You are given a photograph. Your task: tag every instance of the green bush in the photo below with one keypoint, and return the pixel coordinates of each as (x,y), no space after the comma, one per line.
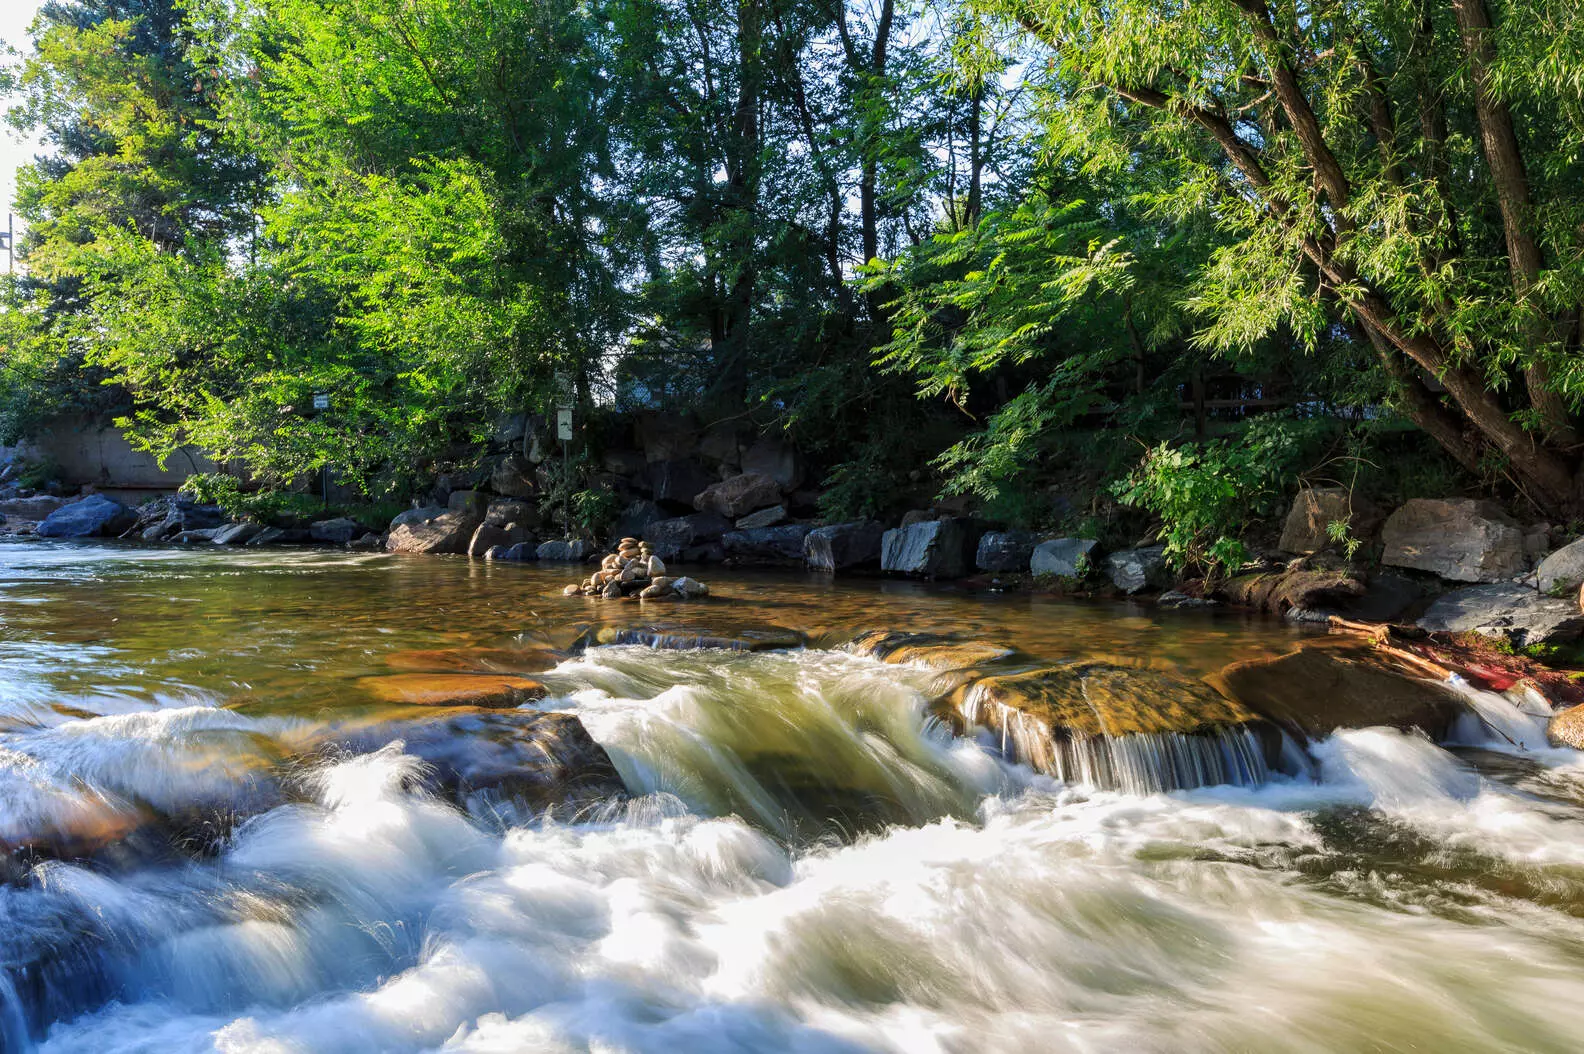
(1206,496)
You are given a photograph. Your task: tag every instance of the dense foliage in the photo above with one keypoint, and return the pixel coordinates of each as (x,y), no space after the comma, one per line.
(1001,249)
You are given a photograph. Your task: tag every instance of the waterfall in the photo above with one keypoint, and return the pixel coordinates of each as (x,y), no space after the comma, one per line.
(1138,763)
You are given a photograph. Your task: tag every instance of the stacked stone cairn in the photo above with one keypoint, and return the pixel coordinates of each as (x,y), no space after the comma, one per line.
(633,570)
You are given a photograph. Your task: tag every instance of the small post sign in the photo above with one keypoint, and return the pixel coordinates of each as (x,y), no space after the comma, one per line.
(564,424)
(321,401)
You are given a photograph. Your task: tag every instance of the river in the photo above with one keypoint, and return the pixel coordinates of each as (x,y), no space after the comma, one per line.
(224,835)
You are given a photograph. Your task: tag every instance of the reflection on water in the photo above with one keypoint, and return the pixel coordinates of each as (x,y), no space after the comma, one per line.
(213,850)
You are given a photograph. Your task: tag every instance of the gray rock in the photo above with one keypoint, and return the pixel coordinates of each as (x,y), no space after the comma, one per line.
(1183,602)
(635,518)
(513,477)
(369,543)
(419,515)
(565,551)
(722,445)
(784,543)
(937,549)
(473,504)
(670,538)
(1460,539)
(95,516)
(839,546)
(1385,597)
(776,458)
(520,551)
(678,481)
(35,508)
(1005,551)
(1563,570)
(690,588)
(445,532)
(501,513)
(1307,529)
(1133,570)
(763,518)
(488,536)
(1502,609)
(236,533)
(267,536)
(194,537)
(338,531)
(738,495)
(1064,557)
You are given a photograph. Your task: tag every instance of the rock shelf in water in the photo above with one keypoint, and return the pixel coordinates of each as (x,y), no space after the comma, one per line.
(634,571)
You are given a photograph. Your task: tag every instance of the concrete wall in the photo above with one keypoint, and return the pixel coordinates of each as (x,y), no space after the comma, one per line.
(87,452)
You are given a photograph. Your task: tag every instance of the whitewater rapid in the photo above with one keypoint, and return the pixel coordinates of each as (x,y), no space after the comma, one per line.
(1405,898)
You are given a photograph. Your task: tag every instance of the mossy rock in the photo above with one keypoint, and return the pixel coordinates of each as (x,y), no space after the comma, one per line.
(1103,700)
(453,689)
(936,651)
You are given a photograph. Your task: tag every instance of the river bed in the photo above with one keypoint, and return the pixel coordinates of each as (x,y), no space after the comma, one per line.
(794,852)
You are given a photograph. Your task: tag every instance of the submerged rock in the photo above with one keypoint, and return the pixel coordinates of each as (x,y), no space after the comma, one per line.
(1518,613)
(1320,687)
(543,760)
(1460,539)
(927,649)
(95,516)
(453,689)
(679,637)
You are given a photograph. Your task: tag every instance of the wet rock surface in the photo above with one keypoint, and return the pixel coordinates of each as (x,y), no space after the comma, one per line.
(1064,557)
(933,650)
(1004,551)
(843,545)
(435,530)
(453,689)
(95,516)
(1324,685)
(929,549)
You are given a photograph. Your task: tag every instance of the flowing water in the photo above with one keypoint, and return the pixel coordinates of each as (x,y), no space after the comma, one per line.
(222,839)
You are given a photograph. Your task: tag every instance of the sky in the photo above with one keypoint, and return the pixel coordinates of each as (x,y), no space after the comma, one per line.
(15,16)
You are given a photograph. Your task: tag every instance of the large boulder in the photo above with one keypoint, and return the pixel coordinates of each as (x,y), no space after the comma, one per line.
(1134,570)
(513,477)
(1503,609)
(95,516)
(739,495)
(678,480)
(1064,557)
(1308,526)
(435,530)
(505,513)
(935,549)
(490,536)
(562,551)
(1460,539)
(1563,570)
(1322,686)
(471,503)
(839,546)
(237,533)
(1566,729)
(671,537)
(776,458)
(337,531)
(1002,551)
(776,544)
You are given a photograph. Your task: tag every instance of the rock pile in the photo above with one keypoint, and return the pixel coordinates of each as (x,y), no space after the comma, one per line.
(634,570)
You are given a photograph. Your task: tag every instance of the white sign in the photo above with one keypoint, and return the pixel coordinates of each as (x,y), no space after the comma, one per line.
(321,400)
(564,424)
